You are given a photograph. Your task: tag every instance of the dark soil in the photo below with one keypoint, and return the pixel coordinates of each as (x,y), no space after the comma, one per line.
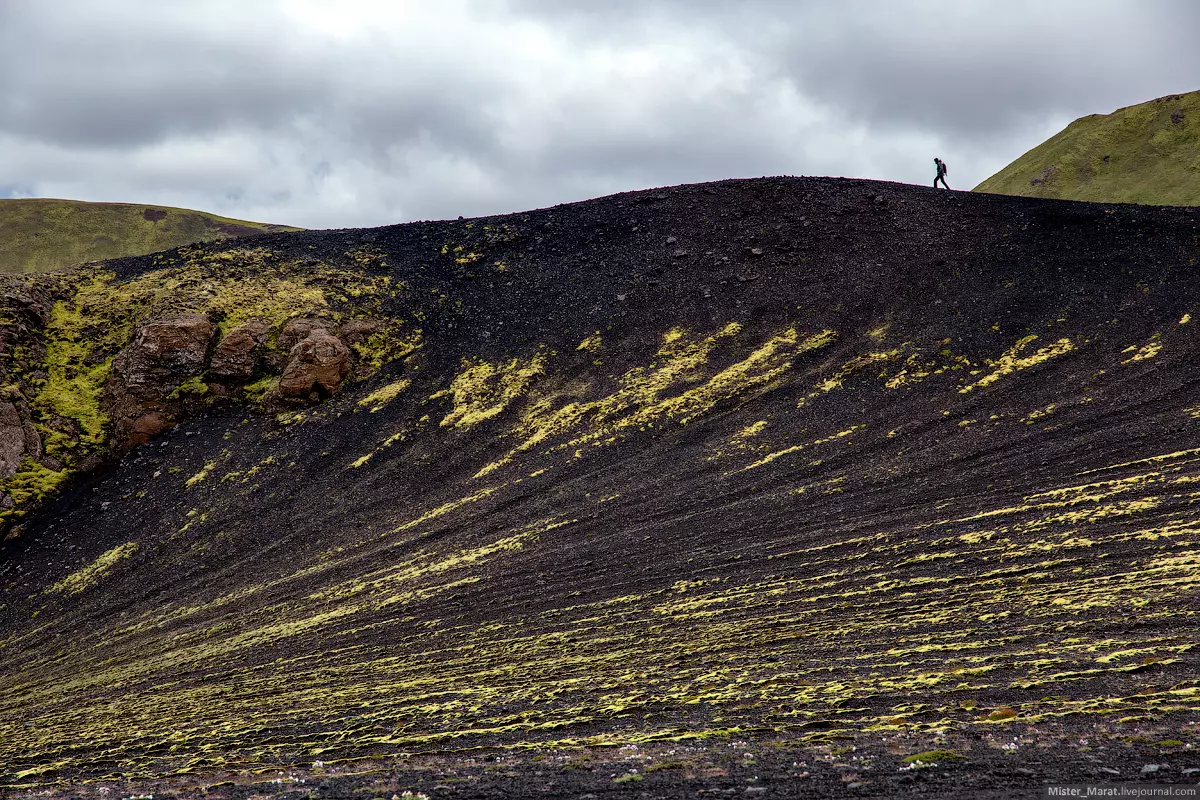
(872,519)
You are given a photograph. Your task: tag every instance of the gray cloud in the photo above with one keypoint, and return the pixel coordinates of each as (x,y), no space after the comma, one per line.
(361,113)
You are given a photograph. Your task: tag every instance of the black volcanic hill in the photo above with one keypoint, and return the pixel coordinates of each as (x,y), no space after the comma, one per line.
(764,484)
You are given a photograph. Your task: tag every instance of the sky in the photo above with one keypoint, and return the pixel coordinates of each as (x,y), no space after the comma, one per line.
(352,113)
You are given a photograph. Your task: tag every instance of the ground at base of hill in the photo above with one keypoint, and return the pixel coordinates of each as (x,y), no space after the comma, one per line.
(1013,761)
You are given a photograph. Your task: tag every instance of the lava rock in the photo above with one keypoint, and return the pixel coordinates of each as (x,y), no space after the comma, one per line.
(14,441)
(356,331)
(142,390)
(297,330)
(238,353)
(316,364)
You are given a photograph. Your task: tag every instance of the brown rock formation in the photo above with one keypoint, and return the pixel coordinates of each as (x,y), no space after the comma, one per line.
(297,330)
(238,353)
(356,331)
(317,364)
(163,354)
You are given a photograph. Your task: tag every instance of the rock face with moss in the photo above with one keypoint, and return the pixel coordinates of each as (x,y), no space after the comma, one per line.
(151,372)
(240,353)
(742,471)
(97,363)
(18,439)
(1148,153)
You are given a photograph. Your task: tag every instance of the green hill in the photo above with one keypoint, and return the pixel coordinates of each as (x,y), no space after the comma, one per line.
(1148,153)
(38,235)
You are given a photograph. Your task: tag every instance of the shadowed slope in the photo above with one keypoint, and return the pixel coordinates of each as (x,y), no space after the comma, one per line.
(1148,153)
(38,235)
(758,458)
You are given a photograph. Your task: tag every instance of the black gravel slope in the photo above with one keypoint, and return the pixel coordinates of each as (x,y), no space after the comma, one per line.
(761,483)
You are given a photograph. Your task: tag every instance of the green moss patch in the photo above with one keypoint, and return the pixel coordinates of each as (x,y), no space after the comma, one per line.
(933,757)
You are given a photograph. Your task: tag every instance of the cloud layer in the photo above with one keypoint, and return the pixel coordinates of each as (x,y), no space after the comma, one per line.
(354,113)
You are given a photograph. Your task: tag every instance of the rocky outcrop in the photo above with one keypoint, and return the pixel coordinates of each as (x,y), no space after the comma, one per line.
(158,374)
(25,309)
(316,365)
(143,389)
(357,331)
(94,362)
(297,330)
(18,438)
(12,440)
(239,353)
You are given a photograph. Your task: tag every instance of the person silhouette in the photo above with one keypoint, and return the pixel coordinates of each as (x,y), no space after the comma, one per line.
(941,173)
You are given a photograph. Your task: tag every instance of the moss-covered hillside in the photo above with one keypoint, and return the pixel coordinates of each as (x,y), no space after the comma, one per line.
(38,235)
(1148,153)
(747,486)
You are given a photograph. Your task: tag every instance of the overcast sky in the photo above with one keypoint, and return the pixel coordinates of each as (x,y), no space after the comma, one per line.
(356,113)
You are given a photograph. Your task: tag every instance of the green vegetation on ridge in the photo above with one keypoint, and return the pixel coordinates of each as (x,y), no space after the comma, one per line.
(1148,153)
(38,235)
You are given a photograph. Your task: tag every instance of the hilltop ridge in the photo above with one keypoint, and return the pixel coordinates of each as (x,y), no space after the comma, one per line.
(44,234)
(766,483)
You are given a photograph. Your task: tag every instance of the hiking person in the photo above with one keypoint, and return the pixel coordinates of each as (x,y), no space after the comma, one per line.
(941,173)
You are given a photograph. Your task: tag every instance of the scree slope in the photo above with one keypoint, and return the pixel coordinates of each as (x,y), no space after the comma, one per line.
(804,486)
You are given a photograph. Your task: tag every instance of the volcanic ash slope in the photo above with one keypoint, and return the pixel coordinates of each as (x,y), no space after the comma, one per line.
(782,457)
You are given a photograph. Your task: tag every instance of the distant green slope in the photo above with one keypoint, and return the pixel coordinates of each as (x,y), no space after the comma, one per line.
(1148,153)
(37,235)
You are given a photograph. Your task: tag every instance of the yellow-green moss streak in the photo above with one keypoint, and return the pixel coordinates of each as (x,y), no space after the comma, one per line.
(649,396)
(379,398)
(93,573)
(73,388)
(1012,361)
(483,390)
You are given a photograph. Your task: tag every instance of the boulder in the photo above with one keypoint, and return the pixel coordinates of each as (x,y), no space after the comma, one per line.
(141,391)
(164,353)
(297,330)
(238,353)
(149,425)
(357,331)
(317,363)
